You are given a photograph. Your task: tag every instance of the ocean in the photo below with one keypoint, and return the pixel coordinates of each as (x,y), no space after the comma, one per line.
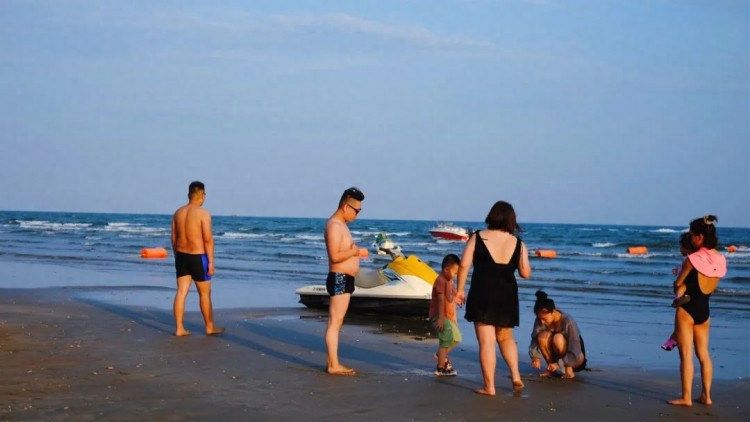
(260,261)
(592,263)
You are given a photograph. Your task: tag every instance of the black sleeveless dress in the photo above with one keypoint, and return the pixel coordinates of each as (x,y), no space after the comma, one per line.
(493,294)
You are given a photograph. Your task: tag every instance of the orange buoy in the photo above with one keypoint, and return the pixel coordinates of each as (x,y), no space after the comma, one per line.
(153,253)
(637,250)
(731,248)
(546,253)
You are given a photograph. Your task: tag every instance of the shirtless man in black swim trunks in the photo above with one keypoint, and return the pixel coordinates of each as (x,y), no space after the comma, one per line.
(193,246)
(343,264)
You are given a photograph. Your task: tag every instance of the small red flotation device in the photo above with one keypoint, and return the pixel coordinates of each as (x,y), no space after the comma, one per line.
(546,253)
(731,248)
(637,250)
(153,253)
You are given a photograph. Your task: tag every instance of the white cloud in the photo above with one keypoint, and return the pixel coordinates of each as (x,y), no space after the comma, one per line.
(343,22)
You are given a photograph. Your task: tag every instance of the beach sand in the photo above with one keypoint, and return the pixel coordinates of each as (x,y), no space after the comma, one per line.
(68,357)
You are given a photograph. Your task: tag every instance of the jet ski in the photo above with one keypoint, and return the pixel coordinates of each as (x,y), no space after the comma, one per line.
(402,287)
(383,245)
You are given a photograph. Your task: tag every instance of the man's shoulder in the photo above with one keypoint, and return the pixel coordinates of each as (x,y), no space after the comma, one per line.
(334,223)
(197,210)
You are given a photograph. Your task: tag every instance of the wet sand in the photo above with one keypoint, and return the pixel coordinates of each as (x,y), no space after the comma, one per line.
(66,357)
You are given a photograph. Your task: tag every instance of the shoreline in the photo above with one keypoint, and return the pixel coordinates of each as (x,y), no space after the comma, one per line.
(72,358)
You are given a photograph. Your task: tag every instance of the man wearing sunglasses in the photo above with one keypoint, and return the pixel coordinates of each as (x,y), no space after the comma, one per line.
(343,265)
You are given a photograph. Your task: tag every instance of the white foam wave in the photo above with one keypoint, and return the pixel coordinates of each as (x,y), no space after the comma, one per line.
(416,244)
(50,226)
(366,233)
(604,244)
(632,256)
(448,241)
(133,229)
(236,235)
(665,231)
(589,253)
(309,237)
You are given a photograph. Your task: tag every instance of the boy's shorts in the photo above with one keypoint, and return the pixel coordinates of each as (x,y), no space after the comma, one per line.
(449,335)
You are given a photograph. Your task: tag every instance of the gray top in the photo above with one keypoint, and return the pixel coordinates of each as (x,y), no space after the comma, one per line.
(569,330)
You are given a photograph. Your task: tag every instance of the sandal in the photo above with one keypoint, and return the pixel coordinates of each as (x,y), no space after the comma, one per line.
(669,344)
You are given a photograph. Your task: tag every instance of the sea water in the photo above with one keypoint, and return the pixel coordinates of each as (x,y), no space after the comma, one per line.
(260,261)
(282,254)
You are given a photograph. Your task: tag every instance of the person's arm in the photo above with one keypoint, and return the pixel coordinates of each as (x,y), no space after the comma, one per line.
(467,259)
(333,238)
(524,269)
(574,355)
(174,235)
(686,268)
(534,353)
(441,310)
(208,242)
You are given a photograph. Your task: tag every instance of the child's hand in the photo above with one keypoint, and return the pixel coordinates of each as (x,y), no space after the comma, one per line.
(460,299)
(552,367)
(536,363)
(440,323)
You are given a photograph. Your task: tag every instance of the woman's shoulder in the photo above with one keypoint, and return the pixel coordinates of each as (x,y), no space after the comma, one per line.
(567,318)
(495,233)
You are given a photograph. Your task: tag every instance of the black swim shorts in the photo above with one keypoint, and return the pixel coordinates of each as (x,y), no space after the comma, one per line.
(339,283)
(194,265)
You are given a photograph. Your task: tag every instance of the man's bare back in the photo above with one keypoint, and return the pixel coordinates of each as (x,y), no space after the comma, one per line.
(192,228)
(193,246)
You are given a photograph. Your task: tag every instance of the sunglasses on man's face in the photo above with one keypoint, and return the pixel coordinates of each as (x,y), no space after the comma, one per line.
(356,210)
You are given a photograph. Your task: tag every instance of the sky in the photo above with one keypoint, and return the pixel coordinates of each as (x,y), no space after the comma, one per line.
(589,112)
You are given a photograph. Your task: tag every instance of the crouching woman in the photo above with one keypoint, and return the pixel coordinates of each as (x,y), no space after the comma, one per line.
(555,338)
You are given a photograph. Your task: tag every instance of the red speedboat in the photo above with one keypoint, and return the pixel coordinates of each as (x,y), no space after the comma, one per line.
(449,231)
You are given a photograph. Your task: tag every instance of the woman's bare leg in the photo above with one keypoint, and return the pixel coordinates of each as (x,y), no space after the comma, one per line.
(509,350)
(684,324)
(487,357)
(700,333)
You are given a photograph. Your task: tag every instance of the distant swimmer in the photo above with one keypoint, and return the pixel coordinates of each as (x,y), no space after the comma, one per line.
(343,265)
(193,246)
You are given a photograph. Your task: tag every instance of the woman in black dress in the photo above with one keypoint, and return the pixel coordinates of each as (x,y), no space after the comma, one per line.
(492,303)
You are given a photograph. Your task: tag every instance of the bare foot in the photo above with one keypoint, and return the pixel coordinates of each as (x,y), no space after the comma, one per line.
(216,332)
(546,374)
(568,376)
(681,402)
(182,333)
(343,370)
(705,400)
(518,385)
(485,391)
